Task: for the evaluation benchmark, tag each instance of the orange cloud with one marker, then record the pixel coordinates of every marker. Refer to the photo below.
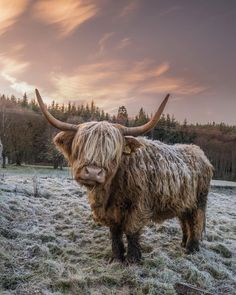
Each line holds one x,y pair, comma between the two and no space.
144,71
103,40
130,8
67,14
90,81
173,85
9,12
113,82
124,43
10,68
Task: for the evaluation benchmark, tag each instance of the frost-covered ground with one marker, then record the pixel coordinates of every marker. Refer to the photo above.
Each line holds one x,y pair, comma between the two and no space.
223,183
49,243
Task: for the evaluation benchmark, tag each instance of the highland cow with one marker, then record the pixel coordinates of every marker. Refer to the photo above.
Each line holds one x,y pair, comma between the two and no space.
132,181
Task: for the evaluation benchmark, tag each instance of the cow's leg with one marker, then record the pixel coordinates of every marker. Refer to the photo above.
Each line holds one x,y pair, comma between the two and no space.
185,229
134,250
196,222
118,248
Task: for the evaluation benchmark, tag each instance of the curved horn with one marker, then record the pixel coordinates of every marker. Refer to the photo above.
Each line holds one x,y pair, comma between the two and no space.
53,121
139,130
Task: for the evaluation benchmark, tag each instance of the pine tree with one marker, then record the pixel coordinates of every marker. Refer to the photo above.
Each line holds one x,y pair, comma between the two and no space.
185,123
122,116
141,118
69,108
13,99
24,102
34,106
63,108
92,108
52,107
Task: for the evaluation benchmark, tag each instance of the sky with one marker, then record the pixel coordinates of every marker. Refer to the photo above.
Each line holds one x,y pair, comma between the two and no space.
129,53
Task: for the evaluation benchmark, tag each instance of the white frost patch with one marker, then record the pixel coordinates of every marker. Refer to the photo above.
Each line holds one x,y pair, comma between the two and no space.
223,183
49,243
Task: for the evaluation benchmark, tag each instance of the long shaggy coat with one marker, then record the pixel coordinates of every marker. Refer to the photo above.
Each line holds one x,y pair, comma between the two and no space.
146,181
154,183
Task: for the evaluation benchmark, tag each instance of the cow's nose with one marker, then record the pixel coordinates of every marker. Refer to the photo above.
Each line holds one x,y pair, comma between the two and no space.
93,173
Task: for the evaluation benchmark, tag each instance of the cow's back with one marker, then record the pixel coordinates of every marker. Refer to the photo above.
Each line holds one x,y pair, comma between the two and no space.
162,178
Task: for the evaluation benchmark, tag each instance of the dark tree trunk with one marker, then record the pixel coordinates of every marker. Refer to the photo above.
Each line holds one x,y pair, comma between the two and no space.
18,162
18,158
3,160
55,165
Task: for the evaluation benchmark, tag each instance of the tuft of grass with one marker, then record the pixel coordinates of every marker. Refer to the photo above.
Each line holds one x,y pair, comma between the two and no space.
216,272
211,237
51,268
4,256
146,248
8,233
72,285
37,251
157,262
196,277
158,288
54,249
72,236
222,250
47,237
10,282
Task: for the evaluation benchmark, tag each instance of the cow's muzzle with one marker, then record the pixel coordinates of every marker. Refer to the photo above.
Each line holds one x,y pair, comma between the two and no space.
92,175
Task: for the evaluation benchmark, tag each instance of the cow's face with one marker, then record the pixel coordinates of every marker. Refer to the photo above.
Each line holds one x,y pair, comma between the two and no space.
94,151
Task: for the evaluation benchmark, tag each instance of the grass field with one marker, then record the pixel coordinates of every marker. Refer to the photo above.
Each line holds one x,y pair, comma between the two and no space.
49,244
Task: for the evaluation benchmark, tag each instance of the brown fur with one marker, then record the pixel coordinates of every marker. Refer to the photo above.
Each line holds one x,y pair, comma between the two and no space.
146,181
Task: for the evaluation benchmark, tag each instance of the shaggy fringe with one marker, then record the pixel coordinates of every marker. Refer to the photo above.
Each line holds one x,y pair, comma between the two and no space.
97,143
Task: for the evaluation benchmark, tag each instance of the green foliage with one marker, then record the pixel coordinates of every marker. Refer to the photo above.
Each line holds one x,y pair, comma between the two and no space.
141,118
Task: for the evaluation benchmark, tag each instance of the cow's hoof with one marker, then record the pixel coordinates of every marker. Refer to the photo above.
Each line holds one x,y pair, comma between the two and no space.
191,251
134,256
116,260
192,247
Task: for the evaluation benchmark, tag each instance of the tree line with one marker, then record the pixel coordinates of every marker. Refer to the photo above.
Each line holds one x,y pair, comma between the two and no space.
27,137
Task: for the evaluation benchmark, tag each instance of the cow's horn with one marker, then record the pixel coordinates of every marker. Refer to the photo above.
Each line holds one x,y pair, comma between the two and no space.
53,121
139,130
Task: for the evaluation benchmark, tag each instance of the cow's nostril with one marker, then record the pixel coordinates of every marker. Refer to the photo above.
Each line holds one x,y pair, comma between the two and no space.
100,172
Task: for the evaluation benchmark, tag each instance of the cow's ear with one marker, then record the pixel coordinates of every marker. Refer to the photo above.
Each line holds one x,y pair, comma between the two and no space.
131,145
63,141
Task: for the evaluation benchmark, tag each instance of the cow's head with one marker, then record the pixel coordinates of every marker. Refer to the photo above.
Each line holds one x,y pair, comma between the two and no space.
94,149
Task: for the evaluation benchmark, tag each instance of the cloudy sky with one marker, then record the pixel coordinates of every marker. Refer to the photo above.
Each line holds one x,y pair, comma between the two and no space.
123,53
